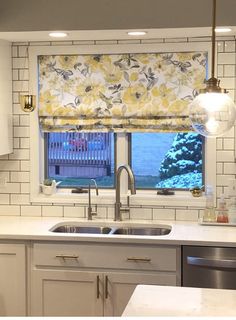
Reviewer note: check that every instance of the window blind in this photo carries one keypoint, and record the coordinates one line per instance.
(147, 92)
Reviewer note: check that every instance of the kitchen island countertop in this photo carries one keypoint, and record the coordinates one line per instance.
(161, 301)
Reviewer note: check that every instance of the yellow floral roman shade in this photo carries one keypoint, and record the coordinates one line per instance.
(119, 92)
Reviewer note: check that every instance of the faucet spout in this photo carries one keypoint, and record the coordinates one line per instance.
(91, 213)
(132, 188)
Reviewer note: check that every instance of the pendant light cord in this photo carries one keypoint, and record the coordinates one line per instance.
(213, 39)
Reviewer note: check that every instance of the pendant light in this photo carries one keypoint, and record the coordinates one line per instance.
(212, 112)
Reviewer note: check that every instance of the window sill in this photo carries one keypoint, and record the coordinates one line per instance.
(107, 197)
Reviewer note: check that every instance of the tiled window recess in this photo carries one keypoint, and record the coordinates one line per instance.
(14, 168)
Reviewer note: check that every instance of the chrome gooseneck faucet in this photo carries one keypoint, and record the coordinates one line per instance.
(118, 204)
(92, 213)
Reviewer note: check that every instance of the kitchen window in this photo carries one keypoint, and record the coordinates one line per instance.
(124, 147)
(158, 160)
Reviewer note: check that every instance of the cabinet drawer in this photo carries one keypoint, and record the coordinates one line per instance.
(122, 256)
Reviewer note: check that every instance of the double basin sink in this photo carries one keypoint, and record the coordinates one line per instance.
(133, 231)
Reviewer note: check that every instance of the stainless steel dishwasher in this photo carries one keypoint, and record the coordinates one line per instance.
(209, 267)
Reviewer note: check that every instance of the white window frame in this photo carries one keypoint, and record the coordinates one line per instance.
(143, 197)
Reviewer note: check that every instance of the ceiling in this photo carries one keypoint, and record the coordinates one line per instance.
(18, 19)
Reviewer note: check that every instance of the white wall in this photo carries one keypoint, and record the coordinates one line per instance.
(14, 198)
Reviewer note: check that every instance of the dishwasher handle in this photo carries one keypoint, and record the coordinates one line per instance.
(211, 262)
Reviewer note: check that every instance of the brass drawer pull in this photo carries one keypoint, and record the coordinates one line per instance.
(137, 259)
(67, 256)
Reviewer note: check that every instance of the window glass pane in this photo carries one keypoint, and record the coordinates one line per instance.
(74, 158)
(167, 160)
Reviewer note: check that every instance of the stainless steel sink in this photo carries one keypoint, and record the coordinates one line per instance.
(126, 231)
(82, 229)
(146, 231)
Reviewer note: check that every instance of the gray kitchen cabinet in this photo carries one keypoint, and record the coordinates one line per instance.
(12, 280)
(91, 279)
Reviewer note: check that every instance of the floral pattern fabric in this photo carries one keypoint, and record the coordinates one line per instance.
(119, 92)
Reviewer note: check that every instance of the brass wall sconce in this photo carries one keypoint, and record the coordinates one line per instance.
(28, 102)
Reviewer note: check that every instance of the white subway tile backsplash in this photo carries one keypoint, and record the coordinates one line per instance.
(229, 134)
(230, 168)
(31, 211)
(61, 43)
(15, 74)
(25, 165)
(23, 74)
(24, 143)
(84, 42)
(24, 120)
(163, 214)
(20, 63)
(14, 197)
(220, 71)
(199, 39)
(110, 212)
(226, 58)
(25, 188)
(223, 180)
(175, 40)
(229, 71)
(230, 46)
(227, 83)
(219, 191)
(20, 85)
(14, 51)
(140, 214)
(225, 156)
(16, 143)
(23, 51)
(161, 40)
(9, 210)
(15, 97)
(105, 42)
(189, 215)
(19, 176)
(52, 211)
(4, 198)
(21, 154)
(16, 120)
(10, 187)
(21, 132)
(101, 213)
(16, 107)
(219, 168)
(219, 144)
(133, 41)
(74, 212)
(6, 165)
(20, 199)
(40, 43)
(228, 144)
(220, 46)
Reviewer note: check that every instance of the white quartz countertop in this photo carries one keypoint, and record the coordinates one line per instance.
(163, 301)
(188, 233)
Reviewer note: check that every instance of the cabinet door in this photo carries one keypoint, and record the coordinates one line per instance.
(118, 288)
(66, 293)
(12, 280)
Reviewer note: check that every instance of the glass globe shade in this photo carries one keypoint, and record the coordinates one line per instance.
(212, 113)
